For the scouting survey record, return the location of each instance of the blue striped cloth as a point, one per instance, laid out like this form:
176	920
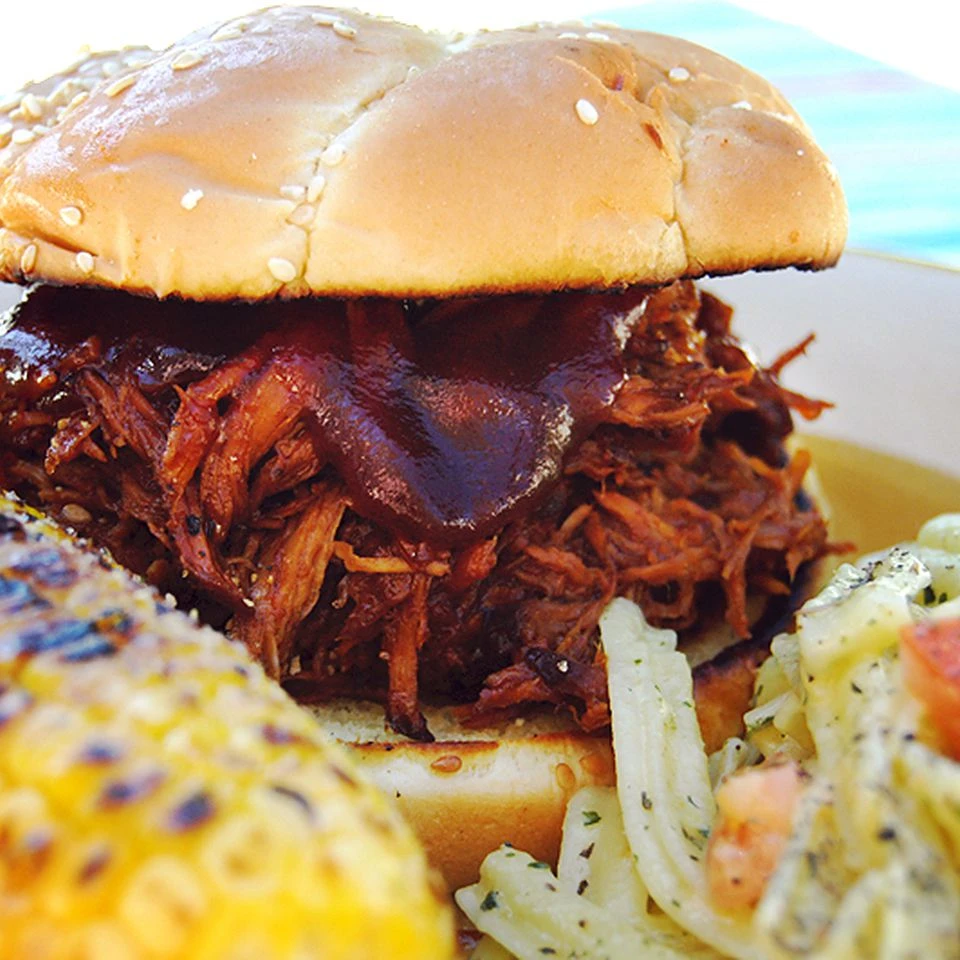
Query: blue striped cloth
895	139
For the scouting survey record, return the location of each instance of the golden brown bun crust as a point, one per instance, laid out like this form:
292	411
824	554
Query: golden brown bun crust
465	164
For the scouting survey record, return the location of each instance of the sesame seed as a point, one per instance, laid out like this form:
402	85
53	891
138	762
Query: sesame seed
413	71
32	106
110	68
447	764
315	188
62	92
78	99
74	513
598	37
333	155
324	19
85	262
293	191
302	216
742	105
186	60
342	29
460	42
6	128
587	112
190	199
118	86
567	35
39	129
28	259
247	602
10	103
678	74
22	135
71	216
227	33
800	153
284	271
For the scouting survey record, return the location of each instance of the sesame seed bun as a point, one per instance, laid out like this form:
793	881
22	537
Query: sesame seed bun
306	151
303	151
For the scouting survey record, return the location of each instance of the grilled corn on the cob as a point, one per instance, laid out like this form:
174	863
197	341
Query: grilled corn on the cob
160	798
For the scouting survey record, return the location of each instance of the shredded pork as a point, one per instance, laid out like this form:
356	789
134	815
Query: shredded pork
209	482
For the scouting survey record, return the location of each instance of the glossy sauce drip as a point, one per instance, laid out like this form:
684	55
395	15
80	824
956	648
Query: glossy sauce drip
54	331
444	420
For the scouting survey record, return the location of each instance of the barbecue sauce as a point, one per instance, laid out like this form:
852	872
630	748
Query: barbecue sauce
445	419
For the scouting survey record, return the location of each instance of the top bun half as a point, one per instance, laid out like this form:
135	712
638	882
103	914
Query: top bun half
309	151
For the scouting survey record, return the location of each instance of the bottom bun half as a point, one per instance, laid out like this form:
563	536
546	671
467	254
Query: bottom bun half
474	789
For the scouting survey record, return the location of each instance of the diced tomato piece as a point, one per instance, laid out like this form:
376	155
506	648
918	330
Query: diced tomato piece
756	809
930	654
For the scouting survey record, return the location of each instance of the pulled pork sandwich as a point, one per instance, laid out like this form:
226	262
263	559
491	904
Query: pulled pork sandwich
381	350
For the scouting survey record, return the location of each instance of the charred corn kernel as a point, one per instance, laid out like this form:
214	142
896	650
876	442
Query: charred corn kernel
160	798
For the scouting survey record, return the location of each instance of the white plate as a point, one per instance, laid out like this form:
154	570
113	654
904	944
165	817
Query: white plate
887	351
